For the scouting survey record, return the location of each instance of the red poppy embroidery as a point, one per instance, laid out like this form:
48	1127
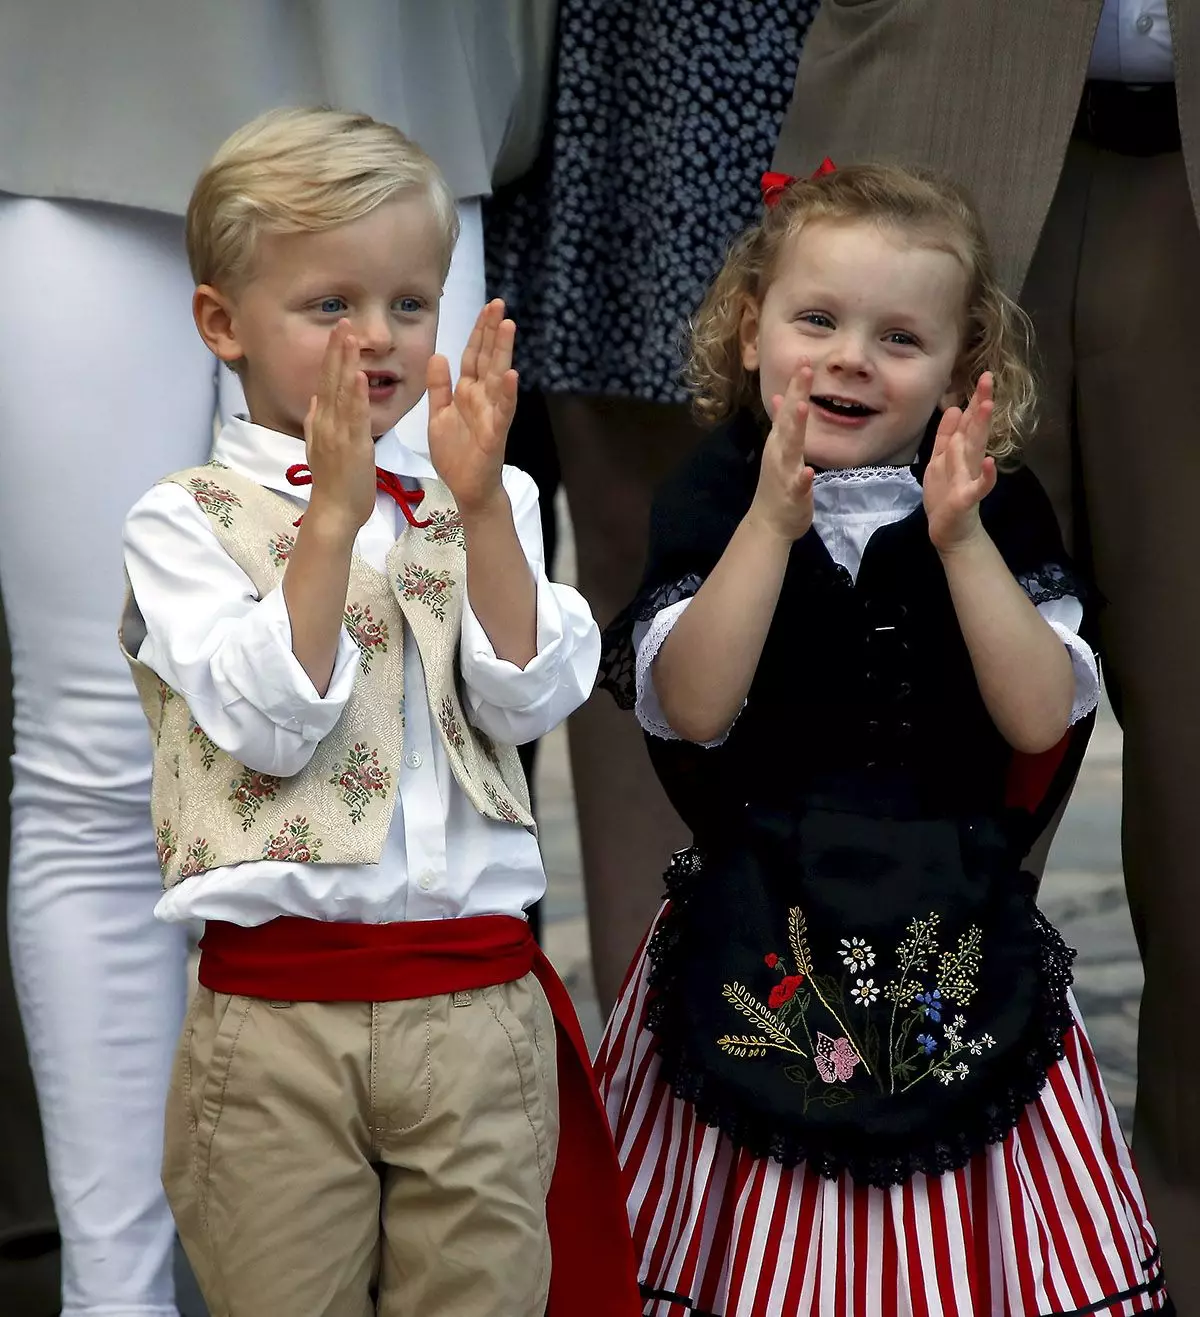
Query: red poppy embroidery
784	991
770	960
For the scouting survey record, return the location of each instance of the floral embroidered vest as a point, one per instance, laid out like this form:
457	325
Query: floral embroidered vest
209	810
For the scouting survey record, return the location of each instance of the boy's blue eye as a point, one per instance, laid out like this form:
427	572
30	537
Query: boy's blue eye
409	305
332	305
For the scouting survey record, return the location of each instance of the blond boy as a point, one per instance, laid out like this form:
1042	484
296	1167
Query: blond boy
338	643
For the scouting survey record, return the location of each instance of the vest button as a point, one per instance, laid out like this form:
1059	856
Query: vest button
413	759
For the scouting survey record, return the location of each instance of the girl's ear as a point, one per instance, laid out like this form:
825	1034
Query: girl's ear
748	334
959	389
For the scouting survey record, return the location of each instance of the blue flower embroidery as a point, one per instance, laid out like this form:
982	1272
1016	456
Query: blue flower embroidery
927	1043
932	1001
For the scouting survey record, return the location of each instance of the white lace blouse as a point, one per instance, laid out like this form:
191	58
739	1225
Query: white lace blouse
848	508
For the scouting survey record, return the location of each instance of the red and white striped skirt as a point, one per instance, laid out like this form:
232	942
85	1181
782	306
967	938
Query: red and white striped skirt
1051	1221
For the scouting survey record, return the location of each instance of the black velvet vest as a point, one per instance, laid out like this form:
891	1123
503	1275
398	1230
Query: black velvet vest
852	970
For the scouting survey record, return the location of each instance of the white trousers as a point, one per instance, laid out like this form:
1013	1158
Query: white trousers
104	387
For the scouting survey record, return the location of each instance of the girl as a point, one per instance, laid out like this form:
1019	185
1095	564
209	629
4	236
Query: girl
846	1076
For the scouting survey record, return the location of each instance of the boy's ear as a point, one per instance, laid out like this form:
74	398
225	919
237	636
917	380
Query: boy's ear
748	334
214	317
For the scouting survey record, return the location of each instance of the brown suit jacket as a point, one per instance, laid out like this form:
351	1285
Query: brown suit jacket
984	91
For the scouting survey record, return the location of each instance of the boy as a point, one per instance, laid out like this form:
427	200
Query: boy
338	644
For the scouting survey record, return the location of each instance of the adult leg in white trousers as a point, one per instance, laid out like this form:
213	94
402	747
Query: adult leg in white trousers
104	387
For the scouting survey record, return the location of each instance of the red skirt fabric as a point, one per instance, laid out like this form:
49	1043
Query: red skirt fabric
1051	1221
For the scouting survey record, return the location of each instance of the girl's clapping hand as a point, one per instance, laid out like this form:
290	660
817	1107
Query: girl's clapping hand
783	501
960	474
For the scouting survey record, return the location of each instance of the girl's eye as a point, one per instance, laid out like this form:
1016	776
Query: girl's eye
331	306
902	339
817	318
409	305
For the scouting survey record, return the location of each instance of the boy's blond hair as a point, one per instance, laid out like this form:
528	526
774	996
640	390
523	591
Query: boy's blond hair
301	171
925	209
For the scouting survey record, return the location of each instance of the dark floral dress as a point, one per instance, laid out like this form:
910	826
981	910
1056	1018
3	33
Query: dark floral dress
663	117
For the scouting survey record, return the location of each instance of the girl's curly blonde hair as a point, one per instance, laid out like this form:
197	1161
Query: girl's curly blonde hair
998	336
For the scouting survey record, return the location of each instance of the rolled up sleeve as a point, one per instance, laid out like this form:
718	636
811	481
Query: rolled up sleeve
512	704
202	628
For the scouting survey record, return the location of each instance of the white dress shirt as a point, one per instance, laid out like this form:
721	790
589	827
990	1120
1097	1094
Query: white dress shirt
210	637
848	508
1133	43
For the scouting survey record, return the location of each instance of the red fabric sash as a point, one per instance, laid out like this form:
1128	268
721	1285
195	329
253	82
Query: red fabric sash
594	1270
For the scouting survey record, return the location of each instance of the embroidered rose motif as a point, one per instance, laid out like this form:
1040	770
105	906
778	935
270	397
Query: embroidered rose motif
500	804
427	587
166	844
294	842
488	746
361	779
217	501
446	528
366	633
249	792
199	859
770	960
208	748
280	548
449	723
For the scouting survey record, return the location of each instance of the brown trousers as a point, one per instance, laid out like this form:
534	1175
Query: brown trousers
1114	291
338	1159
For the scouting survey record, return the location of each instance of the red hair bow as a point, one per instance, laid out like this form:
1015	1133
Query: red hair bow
773	185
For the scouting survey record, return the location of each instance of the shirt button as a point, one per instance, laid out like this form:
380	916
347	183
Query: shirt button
1145	23
425	881
413	759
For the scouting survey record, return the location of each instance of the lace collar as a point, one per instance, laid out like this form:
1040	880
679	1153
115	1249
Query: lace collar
865	491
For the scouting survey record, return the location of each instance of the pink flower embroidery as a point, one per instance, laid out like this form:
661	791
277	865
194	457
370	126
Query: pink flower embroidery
835	1058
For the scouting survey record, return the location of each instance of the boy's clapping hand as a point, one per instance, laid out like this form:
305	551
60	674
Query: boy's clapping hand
337	436
468	423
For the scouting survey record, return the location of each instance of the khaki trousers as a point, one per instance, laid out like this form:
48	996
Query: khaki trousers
1114	291
346	1158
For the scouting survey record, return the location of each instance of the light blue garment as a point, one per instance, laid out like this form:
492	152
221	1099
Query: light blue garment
125	100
